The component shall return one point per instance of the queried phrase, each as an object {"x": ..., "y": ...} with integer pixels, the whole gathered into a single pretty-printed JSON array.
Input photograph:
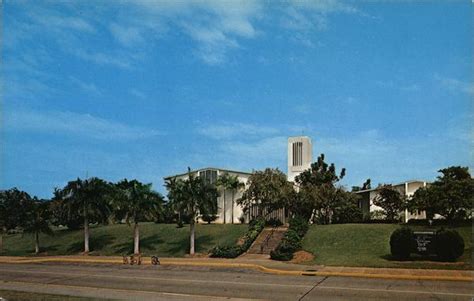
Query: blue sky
[{"x": 143, "y": 89}]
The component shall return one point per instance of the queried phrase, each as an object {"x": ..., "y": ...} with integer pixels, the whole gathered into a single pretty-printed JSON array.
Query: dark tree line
[{"x": 78, "y": 205}]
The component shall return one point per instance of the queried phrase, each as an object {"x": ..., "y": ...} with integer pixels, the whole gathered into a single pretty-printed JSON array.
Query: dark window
[
  {"x": 297, "y": 153},
  {"x": 210, "y": 176}
]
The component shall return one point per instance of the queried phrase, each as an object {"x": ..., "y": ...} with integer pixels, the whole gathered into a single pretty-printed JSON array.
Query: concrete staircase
[{"x": 267, "y": 240}]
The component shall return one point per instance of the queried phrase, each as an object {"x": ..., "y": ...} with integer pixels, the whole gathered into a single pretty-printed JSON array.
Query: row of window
[{"x": 297, "y": 153}]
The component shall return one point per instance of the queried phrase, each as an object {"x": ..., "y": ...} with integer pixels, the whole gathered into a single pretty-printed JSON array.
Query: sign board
[{"x": 424, "y": 242}]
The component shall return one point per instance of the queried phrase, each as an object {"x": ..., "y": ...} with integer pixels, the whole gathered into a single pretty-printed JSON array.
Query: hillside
[
  {"x": 368, "y": 245},
  {"x": 156, "y": 239}
]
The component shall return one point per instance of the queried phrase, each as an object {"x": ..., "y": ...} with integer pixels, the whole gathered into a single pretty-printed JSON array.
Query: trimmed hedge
[
  {"x": 292, "y": 241},
  {"x": 448, "y": 244},
  {"x": 226, "y": 251},
  {"x": 255, "y": 227}
]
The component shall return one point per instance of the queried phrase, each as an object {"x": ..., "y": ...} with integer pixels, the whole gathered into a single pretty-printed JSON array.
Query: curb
[{"x": 250, "y": 266}]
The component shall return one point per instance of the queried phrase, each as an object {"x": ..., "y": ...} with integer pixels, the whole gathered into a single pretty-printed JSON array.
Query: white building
[
  {"x": 228, "y": 212},
  {"x": 300, "y": 156},
  {"x": 406, "y": 188}
]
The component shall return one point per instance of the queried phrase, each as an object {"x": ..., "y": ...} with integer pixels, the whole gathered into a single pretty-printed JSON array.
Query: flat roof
[
  {"x": 398, "y": 184},
  {"x": 209, "y": 168}
]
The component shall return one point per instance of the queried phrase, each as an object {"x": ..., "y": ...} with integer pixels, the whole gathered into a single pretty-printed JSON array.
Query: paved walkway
[{"x": 264, "y": 264}]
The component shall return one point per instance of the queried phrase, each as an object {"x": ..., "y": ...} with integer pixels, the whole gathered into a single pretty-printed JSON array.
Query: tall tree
[
  {"x": 12, "y": 213},
  {"x": 192, "y": 196},
  {"x": 320, "y": 173},
  {"x": 319, "y": 197},
  {"x": 451, "y": 195},
  {"x": 38, "y": 215},
  {"x": 234, "y": 185},
  {"x": 61, "y": 213},
  {"x": 390, "y": 200},
  {"x": 223, "y": 182},
  {"x": 137, "y": 202},
  {"x": 228, "y": 182},
  {"x": 268, "y": 190},
  {"x": 91, "y": 198}
]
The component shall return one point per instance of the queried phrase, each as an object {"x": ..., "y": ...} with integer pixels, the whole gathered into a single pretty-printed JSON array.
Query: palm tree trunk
[
  {"x": 37, "y": 247},
  {"x": 136, "y": 240},
  {"x": 232, "y": 212},
  {"x": 1, "y": 242},
  {"x": 191, "y": 236},
  {"x": 86, "y": 232},
  {"x": 224, "y": 207}
]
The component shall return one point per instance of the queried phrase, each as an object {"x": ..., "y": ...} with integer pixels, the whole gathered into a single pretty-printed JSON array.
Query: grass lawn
[
  {"x": 368, "y": 245},
  {"x": 155, "y": 239}
]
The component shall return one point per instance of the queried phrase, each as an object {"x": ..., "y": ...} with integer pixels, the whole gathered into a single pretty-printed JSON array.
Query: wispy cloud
[
  {"x": 75, "y": 125},
  {"x": 455, "y": 85},
  {"x": 89, "y": 88},
  {"x": 232, "y": 130},
  {"x": 120, "y": 61},
  {"x": 216, "y": 27},
  {"x": 303, "y": 18},
  {"x": 137, "y": 93},
  {"x": 126, "y": 35},
  {"x": 398, "y": 85}
]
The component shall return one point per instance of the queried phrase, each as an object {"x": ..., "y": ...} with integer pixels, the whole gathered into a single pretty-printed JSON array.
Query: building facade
[
  {"x": 406, "y": 189},
  {"x": 300, "y": 156},
  {"x": 227, "y": 212}
]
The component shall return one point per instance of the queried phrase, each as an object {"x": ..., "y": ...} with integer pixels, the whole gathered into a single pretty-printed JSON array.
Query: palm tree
[
  {"x": 37, "y": 222},
  {"x": 223, "y": 182},
  {"x": 228, "y": 182},
  {"x": 234, "y": 185},
  {"x": 91, "y": 198},
  {"x": 137, "y": 202},
  {"x": 12, "y": 213},
  {"x": 193, "y": 196}
]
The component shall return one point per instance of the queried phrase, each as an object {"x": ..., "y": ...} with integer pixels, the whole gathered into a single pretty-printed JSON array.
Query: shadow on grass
[
  {"x": 182, "y": 246},
  {"x": 51, "y": 248},
  {"x": 96, "y": 242},
  {"x": 148, "y": 243}
]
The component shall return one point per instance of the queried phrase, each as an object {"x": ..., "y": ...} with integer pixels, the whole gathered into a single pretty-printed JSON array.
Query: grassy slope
[
  {"x": 156, "y": 239},
  {"x": 368, "y": 245}
]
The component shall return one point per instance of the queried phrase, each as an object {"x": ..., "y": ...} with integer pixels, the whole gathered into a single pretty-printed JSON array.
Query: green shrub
[
  {"x": 226, "y": 251},
  {"x": 273, "y": 222},
  {"x": 448, "y": 245},
  {"x": 255, "y": 227},
  {"x": 402, "y": 243},
  {"x": 209, "y": 218},
  {"x": 282, "y": 256},
  {"x": 293, "y": 239},
  {"x": 299, "y": 225}
]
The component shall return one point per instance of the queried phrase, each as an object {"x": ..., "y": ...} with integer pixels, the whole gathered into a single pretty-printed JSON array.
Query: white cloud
[
  {"x": 304, "y": 17},
  {"x": 76, "y": 125},
  {"x": 100, "y": 58},
  {"x": 216, "y": 27}
]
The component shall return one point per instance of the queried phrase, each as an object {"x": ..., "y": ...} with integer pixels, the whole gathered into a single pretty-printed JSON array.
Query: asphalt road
[{"x": 186, "y": 283}]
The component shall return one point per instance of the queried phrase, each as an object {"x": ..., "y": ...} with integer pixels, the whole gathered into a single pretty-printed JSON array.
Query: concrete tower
[{"x": 300, "y": 155}]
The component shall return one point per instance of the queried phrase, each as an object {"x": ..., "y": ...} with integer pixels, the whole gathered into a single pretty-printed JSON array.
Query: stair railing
[{"x": 267, "y": 239}]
